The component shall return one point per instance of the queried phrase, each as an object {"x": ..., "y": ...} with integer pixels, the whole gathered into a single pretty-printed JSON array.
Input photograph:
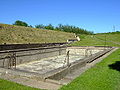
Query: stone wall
[{"x": 84, "y": 51}]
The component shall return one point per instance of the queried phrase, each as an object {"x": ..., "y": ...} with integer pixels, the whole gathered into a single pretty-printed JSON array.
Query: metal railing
[{"x": 11, "y": 60}]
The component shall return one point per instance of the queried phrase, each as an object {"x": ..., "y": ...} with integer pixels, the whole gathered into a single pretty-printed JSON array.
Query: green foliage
[
  {"x": 99, "y": 77},
  {"x": 40, "y": 26},
  {"x": 20, "y": 23},
  {"x": 8, "y": 85},
  {"x": 73, "y": 29},
  {"x": 117, "y": 32},
  {"x": 30, "y": 26},
  {"x": 60, "y": 27},
  {"x": 49, "y": 27},
  {"x": 99, "y": 40},
  {"x": 65, "y": 28}
]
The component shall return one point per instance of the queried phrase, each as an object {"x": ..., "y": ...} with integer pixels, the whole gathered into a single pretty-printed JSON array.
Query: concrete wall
[
  {"x": 61, "y": 73},
  {"x": 84, "y": 51},
  {"x": 25, "y": 46},
  {"x": 28, "y": 55}
]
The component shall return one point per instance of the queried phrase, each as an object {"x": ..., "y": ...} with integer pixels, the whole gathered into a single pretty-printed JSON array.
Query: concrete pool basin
[{"x": 57, "y": 67}]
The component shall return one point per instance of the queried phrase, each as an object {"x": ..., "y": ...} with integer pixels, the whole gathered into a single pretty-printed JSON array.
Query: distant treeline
[
  {"x": 60, "y": 27},
  {"x": 116, "y": 32}
]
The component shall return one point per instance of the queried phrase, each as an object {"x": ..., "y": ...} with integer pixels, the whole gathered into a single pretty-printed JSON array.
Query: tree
[
  {"x": 65, "y": 28},
  {"x": 20, "y": 23},
  {"x": 74, "y": 29},
  {"x": 30, "y": 26},
  {"x": 49, "y": 27},
  {"x": 40, "y": 26}
]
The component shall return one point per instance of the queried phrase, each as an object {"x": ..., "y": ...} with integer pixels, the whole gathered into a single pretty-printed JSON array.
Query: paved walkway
[{"x": 31, "y": 82}]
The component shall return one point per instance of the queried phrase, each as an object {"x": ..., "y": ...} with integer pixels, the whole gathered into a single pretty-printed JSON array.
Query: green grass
[
  {"x": 99, "y": 40},
  {"x": 99, "y": 77},
  {"x": 19, "y": 34},
  {"x": 8, "y": 85}
]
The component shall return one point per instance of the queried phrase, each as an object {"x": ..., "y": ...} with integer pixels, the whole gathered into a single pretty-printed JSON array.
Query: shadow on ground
[{"x": 115, "y": 66}]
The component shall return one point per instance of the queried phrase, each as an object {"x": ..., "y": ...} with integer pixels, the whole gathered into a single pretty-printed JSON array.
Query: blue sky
[{"x": 94, "y": 15}]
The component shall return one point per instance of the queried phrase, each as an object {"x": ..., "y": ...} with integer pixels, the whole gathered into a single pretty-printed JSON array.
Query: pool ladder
[{"x": 11, "y": 58}]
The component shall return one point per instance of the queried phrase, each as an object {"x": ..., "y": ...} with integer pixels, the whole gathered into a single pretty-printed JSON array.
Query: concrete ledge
[
  {"x": 15, "y": 72},
  {"x": 97, "y": 55},
  {"x": 63, "y": 72},
  {"x": 28, "y": 55},
  {"x": 81, "y": 63}
]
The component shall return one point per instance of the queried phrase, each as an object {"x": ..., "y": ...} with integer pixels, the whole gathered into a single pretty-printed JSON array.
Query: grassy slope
[
  {"x": 19, "y": 34},
  {"x": 8, "y": 85},
  {"x": 99, "y": 40},
  {"x": 99, "y": 77}
]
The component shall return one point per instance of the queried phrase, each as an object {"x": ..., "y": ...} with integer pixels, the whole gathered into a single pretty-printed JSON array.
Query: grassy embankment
[
  {"x": 19, "y": 34},
  {"x": 99, "y": 40},
  {"x": 103, "y": 76}
]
